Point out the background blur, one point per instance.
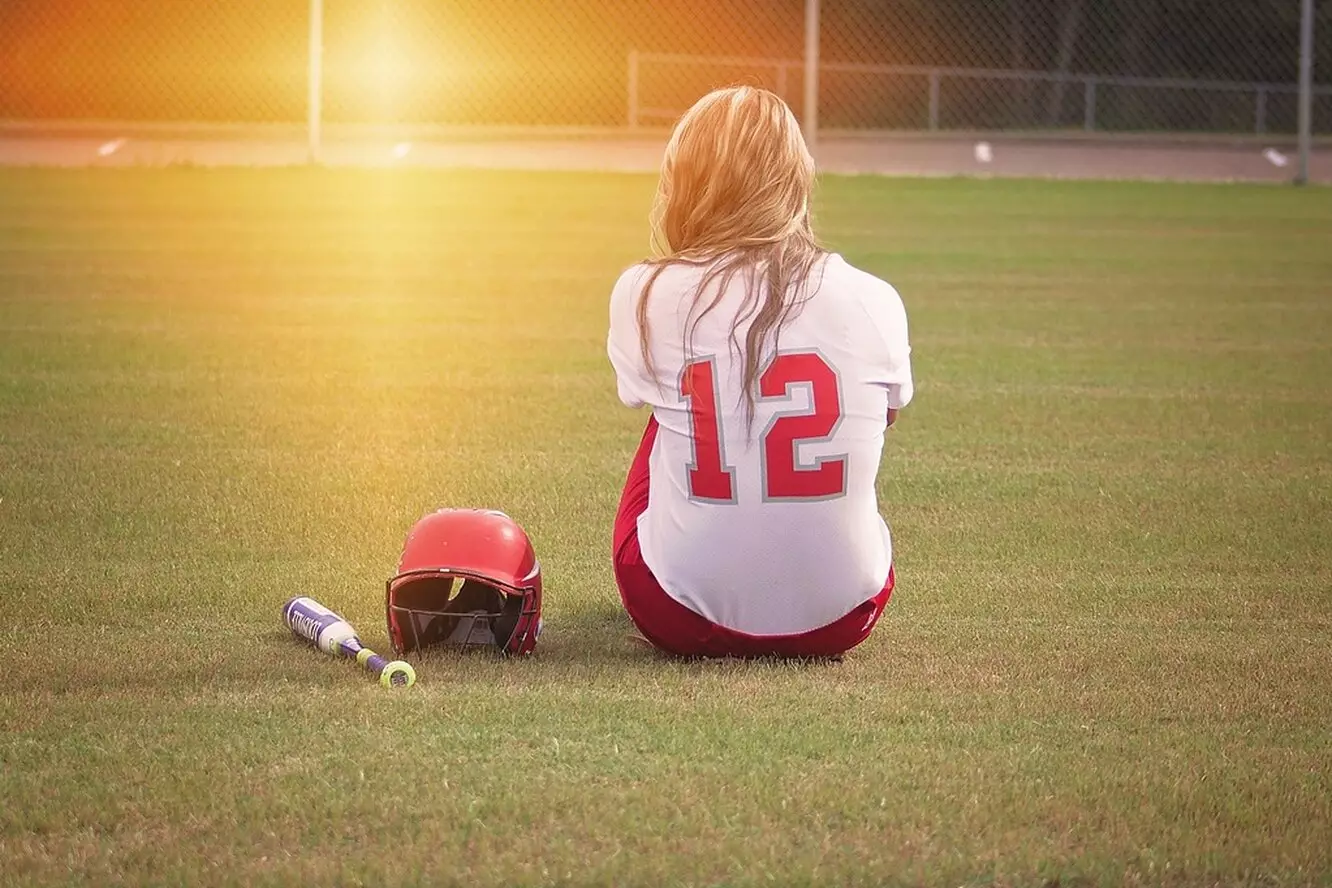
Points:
(1101, 65)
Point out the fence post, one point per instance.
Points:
(1260, 111)
(811, 109)
(1306, 89)
(934, 100)
(316, 77)
(633, 89)
(1089, 105)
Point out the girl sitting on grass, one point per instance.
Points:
(749, 524)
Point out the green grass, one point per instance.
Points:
(1109, 658)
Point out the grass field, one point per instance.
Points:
(1108, 660)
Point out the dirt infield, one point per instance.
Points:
(1245, 159)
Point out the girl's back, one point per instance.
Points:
(765, 523)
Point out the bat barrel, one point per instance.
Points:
(317, 624)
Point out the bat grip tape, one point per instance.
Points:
(371, 660)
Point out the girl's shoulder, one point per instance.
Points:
(841, 276)
(672, 277)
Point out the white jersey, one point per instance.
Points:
(771, 528)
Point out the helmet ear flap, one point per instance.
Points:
(506, 624)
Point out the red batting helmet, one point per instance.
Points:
(466, 577)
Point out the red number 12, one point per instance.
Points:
(711, 480)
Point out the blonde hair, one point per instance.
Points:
(734, 196)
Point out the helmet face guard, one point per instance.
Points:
(441, 606)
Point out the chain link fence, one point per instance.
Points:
(1091, 65)
(1107, 66)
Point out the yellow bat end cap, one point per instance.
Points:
(398, 675)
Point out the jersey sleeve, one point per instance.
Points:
(622, 342)
(890, 364)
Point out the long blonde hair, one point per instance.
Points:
(734, 196)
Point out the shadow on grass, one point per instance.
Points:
(597, 638)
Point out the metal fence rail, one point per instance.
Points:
(914, 96)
